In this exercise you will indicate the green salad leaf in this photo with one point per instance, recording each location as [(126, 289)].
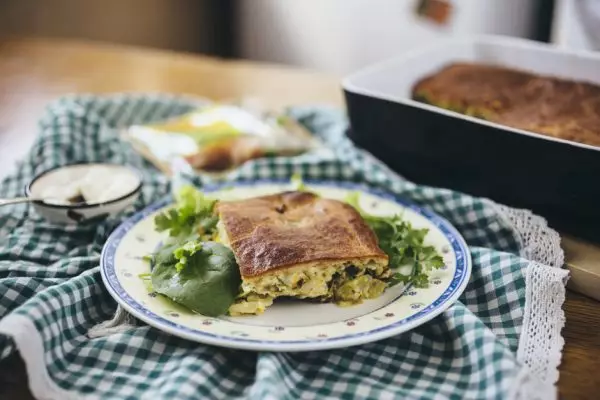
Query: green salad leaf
[(188, 268), (193, 212), (202, 276), (297, 182), (403, 244)]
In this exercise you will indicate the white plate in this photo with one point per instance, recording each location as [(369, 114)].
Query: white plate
[(290, 325)]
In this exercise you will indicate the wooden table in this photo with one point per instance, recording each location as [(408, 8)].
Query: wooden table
[(34, 71)]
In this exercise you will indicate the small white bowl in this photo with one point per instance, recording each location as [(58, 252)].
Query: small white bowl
[(124, 192)]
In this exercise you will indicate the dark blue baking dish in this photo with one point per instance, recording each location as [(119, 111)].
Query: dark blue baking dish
[(555, 178)]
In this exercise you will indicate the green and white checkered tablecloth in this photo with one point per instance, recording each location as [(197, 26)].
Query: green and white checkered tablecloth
[(501, 340)]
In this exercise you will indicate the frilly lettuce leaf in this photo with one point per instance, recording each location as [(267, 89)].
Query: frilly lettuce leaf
[(193, 213), (184, 253)]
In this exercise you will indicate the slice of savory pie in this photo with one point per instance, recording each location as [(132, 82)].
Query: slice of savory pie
[(296, 244)]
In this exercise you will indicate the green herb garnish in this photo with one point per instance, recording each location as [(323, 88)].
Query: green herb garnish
[(399, 278), (403, 244)]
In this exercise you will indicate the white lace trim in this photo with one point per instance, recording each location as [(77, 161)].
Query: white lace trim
[(539, 242), (541, 342), (529, 387)]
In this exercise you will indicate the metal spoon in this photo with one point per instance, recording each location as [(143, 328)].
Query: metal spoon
[(18, 200)]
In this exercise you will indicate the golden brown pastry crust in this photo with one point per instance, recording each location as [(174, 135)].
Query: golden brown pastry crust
[(292, 228), (227, 153), (554, 107)]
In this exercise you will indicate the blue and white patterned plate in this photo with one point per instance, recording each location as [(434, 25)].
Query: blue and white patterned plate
[(290, 326)]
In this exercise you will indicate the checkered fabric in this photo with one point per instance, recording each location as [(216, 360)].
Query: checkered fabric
[(50, 283)]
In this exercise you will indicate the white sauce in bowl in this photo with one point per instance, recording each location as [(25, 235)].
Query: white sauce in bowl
[(96, 183)]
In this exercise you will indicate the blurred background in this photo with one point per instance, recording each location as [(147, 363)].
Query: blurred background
[(331, 35)]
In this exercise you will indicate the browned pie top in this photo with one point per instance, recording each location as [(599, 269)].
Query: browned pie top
[(291, 228), (555, 107)]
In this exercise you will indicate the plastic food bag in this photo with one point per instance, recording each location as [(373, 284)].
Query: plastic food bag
[(221, 137)]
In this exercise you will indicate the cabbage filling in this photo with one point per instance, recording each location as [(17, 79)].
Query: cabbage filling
[(345, 287)]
